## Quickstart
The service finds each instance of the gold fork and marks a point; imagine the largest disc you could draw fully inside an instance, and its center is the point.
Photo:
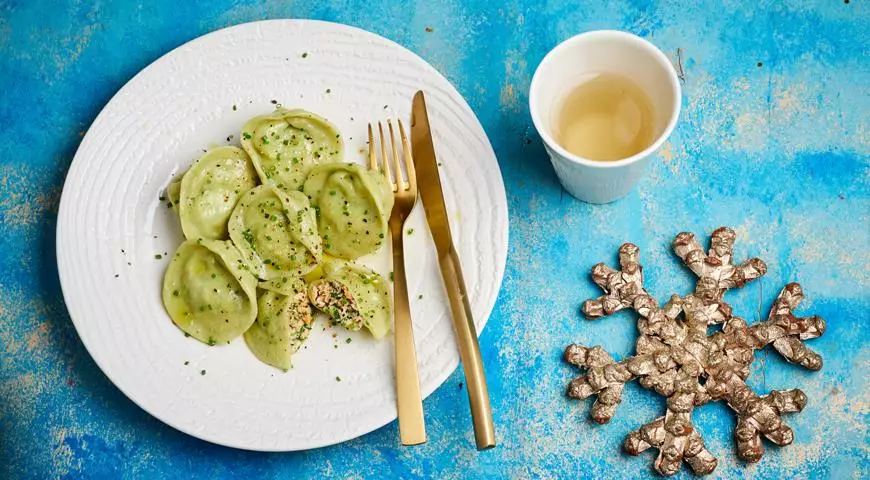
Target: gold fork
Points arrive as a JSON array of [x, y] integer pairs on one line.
[[412, 429]]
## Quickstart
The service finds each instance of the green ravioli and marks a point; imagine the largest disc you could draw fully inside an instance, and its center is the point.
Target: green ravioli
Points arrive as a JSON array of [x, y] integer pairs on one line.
[[209, 292], [210, 189], [276, 232], [353, 208], [286, 144]]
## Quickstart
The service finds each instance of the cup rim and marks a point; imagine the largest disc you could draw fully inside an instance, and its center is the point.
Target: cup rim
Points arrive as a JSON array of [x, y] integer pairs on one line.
[[644, 44]]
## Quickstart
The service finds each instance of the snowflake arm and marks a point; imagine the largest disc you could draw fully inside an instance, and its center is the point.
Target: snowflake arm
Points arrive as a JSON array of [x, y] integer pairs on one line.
[[604, 378], [676, 439], [785, 331], [620, 286], [717, 265], [757, 416]]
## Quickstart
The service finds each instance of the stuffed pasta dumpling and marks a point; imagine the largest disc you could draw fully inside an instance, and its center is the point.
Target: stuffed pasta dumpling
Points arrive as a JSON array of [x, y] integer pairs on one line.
[[210, 189], [353, 208], [209, 292], [276, 232], [286, 144], [283, 322], [353, 296]]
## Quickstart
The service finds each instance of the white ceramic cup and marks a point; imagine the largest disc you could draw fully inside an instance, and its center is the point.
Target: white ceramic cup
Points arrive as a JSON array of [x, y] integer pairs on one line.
[[574, 61]]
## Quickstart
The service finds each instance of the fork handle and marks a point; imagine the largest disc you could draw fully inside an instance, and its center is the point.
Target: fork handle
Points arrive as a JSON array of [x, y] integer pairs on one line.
[[469, 350], [412, 429]]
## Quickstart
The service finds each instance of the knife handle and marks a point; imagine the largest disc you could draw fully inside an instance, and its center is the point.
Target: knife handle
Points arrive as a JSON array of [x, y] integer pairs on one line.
[[469, 350]]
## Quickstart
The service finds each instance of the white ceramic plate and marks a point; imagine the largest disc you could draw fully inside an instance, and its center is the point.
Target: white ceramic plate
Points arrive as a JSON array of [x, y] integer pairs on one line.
[[112, 225]]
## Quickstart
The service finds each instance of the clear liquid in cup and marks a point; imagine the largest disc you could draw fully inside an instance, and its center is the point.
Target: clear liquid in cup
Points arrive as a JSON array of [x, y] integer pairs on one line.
[[606, 118]]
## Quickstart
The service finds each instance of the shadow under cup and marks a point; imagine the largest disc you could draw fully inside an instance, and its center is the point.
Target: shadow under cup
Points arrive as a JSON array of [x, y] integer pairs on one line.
[[568, 65]]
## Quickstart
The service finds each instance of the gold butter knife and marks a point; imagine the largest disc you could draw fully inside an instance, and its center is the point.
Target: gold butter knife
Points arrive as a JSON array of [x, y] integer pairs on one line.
[[429, 184]]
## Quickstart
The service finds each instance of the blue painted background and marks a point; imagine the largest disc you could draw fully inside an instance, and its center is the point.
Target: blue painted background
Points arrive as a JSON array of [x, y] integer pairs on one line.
[[774, 140]]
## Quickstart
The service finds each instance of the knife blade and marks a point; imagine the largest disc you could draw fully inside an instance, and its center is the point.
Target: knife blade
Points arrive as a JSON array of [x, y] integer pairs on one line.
[[429, 184], [426, 165]]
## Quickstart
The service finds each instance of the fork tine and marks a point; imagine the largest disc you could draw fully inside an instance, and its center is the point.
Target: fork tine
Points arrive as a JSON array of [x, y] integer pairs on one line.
[[397, 167], [409, 160], [384, 158], [373, 158]]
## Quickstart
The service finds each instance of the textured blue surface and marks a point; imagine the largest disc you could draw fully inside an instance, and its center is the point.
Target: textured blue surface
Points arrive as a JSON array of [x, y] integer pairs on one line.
[[774, 140]]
